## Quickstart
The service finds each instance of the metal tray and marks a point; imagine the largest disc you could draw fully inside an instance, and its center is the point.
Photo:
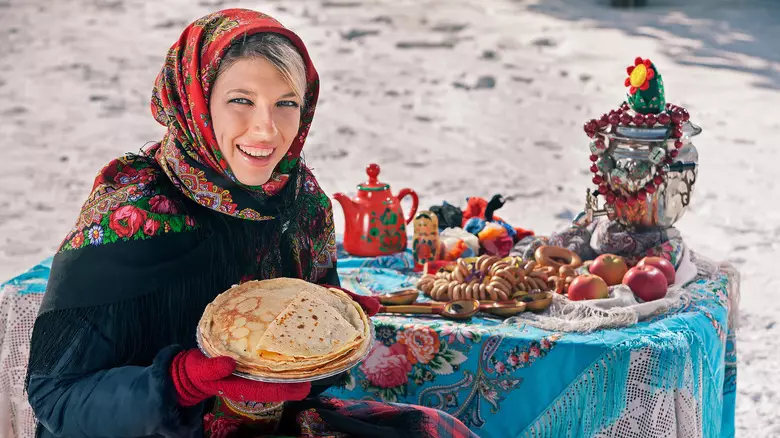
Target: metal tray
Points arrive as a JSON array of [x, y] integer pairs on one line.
[[345, 367]]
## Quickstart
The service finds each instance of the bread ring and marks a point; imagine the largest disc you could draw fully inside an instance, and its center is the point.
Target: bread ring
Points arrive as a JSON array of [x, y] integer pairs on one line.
[[463, 267], [556, 257], [539, 283], [472, 290], [479, 290], [457, 292], [488, 262], [492, 292], [566, 271], [458, 275], [508, 276], [436, 292], [425, 286], [560, 284], [499, 266], [503, 283]]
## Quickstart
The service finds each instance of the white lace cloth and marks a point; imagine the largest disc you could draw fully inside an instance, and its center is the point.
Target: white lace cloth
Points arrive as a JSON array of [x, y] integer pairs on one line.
[[17, 316]]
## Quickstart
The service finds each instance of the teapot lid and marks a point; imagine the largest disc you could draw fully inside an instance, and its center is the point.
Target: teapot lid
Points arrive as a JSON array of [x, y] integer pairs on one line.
[[373, 185]]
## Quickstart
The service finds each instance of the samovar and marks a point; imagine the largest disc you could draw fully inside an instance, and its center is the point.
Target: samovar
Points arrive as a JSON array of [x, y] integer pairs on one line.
[[644, 162]]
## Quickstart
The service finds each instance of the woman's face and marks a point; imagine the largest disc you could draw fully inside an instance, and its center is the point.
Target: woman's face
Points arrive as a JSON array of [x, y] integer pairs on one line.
[[255, 115]]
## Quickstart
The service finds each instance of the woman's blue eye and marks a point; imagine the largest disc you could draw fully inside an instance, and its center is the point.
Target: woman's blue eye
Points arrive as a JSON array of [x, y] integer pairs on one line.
[[241, 101], [288, 103]]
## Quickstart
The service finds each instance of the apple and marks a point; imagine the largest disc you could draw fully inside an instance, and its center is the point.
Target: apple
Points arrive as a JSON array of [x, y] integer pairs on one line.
[[646, 282], [661, 264], [587, 287], [610, 267]]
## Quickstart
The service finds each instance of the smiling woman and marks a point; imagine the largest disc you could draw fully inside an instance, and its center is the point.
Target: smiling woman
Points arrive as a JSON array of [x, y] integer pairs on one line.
[[222, 199], [256, 105]]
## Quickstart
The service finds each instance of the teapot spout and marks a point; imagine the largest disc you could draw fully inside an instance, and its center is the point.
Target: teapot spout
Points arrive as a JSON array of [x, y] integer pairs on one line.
[[347, 205]]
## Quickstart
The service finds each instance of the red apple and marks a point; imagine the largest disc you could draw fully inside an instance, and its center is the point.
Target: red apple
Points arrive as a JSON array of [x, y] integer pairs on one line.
[[610, 267], [661, 264], [646, 282], [588, 287]]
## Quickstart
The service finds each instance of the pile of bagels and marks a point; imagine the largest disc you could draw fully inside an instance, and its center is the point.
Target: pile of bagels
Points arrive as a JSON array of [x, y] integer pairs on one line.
[[497, 279]]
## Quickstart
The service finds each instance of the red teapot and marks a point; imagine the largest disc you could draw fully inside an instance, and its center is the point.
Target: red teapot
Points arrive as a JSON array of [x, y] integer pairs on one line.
[[375, 221]]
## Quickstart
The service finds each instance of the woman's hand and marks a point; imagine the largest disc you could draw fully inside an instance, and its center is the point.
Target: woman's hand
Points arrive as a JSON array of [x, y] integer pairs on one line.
[[198, 378], [370, 305]]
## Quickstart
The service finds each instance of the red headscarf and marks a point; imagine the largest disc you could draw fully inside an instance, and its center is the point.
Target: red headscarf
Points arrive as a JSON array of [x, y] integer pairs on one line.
[[128, 203], [189, 153]]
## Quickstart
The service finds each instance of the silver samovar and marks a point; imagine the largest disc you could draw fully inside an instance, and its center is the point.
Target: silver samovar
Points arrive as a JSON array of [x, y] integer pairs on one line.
[[643, 158]]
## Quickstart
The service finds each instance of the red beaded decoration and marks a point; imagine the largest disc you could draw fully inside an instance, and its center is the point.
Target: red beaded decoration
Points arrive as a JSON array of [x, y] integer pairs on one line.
[[672, 117]]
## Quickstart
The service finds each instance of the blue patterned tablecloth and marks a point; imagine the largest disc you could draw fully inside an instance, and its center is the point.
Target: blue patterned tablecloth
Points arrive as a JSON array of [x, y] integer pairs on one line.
[[673, 376]]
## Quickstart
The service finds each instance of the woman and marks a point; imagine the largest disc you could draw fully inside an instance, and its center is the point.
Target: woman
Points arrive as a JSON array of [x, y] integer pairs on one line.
[[223, 198]]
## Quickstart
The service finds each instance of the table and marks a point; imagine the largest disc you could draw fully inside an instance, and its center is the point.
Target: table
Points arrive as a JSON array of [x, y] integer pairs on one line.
[[673, 376]]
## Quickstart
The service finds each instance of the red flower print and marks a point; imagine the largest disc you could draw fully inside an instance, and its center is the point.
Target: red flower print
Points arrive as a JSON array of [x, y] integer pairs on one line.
[[189, 221], [387, 367], [162, 205], [134, 193], [224, 427], [208, 420], [275, 184], [131, 175], [126, 220], [77, 240], [151, 226], [500, 368], [422, 343]]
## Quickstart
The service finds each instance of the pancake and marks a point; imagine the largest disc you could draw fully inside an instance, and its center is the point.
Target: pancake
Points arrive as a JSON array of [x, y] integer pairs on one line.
[[308, 327], [285, 328]]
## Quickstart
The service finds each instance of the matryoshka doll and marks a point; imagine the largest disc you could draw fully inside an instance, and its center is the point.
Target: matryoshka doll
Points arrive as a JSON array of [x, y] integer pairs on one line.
[[425, 244]]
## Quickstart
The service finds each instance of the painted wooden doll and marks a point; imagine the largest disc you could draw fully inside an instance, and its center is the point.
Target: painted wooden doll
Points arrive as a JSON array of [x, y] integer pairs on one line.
[[425, 243]]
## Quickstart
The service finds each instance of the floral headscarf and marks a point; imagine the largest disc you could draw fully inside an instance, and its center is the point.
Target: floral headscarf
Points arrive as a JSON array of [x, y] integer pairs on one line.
[[128, 201], [189, 153]]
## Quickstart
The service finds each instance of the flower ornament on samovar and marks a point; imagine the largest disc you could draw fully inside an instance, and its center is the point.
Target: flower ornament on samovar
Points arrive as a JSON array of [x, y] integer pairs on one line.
[[642, 159]]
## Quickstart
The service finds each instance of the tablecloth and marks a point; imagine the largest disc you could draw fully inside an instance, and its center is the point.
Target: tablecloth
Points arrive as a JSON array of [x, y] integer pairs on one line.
[[673, 376]]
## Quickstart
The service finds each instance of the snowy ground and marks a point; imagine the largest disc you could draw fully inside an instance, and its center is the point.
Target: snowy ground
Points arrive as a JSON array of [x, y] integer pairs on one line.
[[451, 97]]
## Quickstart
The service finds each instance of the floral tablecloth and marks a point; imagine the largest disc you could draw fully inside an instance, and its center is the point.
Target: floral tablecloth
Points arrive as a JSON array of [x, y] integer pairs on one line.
[[673, 376]]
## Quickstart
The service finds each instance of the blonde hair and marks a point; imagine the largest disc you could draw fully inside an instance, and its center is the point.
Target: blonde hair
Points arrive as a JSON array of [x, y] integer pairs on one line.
[[278, 50]]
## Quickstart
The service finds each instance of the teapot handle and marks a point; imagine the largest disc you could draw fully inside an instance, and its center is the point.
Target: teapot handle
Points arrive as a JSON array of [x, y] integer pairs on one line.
[[415, 201]]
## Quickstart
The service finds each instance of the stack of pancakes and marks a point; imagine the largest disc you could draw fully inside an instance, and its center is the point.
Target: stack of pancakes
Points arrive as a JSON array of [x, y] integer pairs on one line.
[[285, 329]]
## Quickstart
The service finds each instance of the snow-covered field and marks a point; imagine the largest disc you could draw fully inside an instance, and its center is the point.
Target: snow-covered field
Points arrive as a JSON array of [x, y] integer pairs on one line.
[[451, 97]]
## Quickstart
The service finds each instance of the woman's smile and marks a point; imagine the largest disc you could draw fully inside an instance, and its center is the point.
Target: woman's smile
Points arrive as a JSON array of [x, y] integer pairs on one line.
[[257, 155], [256, 116]]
